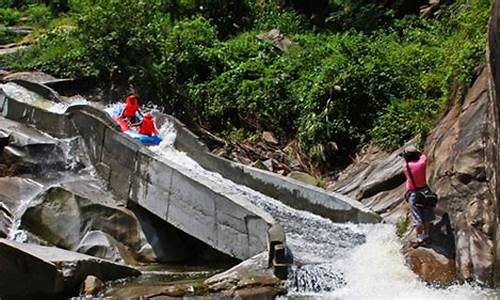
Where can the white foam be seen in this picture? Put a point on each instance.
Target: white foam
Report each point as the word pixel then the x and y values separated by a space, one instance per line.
pixel 376 270
pixel 341 261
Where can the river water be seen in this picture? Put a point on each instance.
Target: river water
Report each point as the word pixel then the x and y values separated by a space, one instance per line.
pixel 332 260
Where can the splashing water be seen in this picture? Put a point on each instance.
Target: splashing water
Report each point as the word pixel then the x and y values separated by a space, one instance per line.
pixel 333 261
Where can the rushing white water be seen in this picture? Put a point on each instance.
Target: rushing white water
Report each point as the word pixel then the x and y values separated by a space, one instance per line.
pixel 334 261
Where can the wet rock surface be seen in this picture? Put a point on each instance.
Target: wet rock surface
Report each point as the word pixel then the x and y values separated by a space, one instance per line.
pixel 431 266
pixel 27 150
pixel 434 262
pixel 250 278
pixel 462 163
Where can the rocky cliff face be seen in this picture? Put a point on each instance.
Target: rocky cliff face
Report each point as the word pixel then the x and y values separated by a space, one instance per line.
pixel 463 169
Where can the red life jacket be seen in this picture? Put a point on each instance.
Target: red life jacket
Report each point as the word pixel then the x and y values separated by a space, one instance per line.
pixel 131 106
pixel 147 126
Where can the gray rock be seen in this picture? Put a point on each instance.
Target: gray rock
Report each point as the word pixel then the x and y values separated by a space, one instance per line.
pixel 67 216
pixel 278 39
pixel 475 254
pixel 26 274
pixel 102 245
pixel 91 286
pixel 5 220
pixel 268 164
pixel 31 76
pixel 251 277
pixel 15 190
pixel 30 151
pixel 24 260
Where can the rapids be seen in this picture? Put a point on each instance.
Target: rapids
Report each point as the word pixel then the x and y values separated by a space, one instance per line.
pixel 332 260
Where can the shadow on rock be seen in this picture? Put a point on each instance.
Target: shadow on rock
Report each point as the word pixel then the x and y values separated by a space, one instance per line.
pixel 442 237
pixel 435 262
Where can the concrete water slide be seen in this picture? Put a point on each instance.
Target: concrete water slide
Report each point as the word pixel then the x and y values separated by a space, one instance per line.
pixel 227 223
pixel 193 204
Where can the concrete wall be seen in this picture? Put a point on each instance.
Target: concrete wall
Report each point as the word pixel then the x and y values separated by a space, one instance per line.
pixel 334 206
pixel 192 204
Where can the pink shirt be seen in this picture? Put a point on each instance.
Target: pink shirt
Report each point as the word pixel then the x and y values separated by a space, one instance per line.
pixel 418 171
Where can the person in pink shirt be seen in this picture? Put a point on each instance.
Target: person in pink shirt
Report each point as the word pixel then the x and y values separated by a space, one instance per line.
pixel 414 165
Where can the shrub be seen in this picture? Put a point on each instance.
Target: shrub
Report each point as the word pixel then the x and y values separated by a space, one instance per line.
pixel 402 226
pixel 39 14
pixel 58 53
pixel 342 88
pixel 6 36
pixel 79 6
pixel 9 16
pixel 6 3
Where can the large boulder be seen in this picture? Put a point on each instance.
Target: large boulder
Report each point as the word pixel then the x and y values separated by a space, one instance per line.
pixel 29 269
pixel 101 244
pixel 31 151
pixel 476 256
pixel 431 266
pixel 16 190
pixel 435 262
pixel 251 278
pixel 80 216
pixel 462 166
pixel 24 273
pixel 376 180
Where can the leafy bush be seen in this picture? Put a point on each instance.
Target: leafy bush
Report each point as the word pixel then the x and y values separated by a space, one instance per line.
pixel 56 53
pixel 400 121
pixel 6 36
pixel 381 78
pixel 402 226
pixel 287 21
pixel 6 3
pixel 79 6
pixel 39 14
pixel 9 16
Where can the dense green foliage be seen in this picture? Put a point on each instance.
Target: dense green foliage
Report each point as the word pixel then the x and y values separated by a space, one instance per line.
pixel 357 71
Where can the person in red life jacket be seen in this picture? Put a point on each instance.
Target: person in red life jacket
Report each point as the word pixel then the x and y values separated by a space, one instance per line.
pixel 131 108
pixel 414 166
pixel 147 126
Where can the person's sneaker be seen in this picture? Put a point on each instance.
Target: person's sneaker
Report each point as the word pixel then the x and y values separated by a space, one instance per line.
pixel 416 243
pixel 421 242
